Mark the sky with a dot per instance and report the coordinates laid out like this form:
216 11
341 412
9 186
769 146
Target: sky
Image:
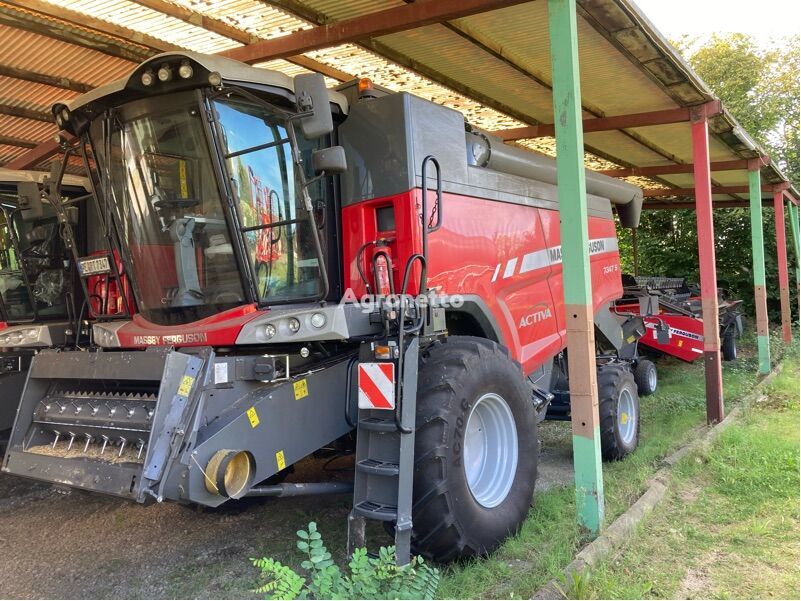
763 20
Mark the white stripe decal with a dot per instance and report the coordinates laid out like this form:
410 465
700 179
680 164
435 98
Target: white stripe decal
553 256
510 268
535 260
495 275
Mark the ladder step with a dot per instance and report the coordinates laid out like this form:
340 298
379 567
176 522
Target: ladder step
378 424
377 511
380 468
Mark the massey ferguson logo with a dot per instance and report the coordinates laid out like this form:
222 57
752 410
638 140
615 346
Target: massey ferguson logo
597 246
540 314
154 340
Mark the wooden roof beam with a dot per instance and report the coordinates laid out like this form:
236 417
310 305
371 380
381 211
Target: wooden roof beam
717 204
23 113
674 169
41 78
667 192
664 117
372 25
33 157
18 142
53 21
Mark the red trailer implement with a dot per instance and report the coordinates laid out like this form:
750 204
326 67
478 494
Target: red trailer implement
673 317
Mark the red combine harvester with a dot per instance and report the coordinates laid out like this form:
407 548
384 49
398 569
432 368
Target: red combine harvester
311 268
672 313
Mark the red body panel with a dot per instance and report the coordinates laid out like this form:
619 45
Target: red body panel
218 330
507 254
686 333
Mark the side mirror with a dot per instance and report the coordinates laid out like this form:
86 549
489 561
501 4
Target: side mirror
30 201
311 97
329 160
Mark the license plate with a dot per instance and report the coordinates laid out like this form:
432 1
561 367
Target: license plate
94 266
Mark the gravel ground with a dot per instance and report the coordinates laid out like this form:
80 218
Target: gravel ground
79 545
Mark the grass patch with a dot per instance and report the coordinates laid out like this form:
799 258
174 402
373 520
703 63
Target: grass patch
550 537
730 526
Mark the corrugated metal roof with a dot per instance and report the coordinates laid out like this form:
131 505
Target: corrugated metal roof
144 20
257 18
39 53
26 129
498 61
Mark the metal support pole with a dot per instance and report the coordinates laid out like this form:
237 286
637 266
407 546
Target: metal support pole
758 250
709 280
781 255
576 263
635 252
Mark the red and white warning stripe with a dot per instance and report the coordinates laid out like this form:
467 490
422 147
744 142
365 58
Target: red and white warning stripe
376 385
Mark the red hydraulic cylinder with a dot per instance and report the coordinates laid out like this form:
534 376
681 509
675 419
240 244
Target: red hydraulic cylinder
781 251
709 280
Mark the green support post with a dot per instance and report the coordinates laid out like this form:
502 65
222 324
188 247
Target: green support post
758 250
576 263
794 229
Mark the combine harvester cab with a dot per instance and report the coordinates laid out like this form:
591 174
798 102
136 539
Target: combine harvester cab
40 298
281 310
673 316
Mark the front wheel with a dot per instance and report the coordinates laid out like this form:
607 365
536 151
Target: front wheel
729 347
619 411
645 377
475 449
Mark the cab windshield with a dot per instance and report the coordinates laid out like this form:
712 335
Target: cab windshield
155 161
173 223
35 265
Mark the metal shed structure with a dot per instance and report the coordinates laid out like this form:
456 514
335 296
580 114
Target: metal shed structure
591 81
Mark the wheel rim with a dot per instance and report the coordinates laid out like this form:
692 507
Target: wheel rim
652 379
490 450
626 416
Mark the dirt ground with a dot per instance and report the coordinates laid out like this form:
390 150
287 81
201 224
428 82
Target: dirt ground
55 544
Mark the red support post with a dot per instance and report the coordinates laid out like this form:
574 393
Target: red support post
709 281
781 252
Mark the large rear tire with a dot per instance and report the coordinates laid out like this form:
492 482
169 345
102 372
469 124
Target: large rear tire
619 411
476 449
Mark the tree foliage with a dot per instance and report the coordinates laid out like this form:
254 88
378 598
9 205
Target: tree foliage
759 86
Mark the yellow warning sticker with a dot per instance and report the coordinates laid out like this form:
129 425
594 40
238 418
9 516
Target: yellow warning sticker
301 389
253 417
279 460
182 179
186 385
